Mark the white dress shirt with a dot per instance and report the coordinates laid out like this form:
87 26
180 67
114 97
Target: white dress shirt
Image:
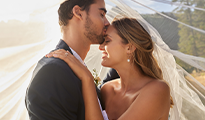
77 56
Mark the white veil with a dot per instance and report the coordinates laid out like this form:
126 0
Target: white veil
187 99
19 57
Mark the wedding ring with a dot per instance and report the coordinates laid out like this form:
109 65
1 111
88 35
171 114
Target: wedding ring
66 54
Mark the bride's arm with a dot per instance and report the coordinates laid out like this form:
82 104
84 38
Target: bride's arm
92 108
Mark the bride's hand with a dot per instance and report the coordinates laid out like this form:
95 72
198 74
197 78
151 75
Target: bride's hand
78 68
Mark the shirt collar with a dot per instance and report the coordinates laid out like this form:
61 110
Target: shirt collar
77 56
63 45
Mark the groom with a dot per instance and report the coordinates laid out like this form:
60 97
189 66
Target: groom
55 92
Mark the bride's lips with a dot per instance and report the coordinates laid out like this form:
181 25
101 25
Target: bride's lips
104 55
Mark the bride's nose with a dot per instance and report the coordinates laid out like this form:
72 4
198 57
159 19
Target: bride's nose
102 47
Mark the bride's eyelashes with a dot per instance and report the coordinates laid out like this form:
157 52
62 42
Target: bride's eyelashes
107 40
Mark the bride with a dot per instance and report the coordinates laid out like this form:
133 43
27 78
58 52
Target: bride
140 93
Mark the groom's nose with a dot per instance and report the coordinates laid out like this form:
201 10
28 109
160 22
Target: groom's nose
106 22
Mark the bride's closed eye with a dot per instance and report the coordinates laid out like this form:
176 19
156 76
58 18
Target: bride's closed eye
107 41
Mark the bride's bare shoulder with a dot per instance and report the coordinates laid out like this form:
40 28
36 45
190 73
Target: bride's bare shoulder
110 86
157 85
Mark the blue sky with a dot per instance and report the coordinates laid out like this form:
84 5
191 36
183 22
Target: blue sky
21 9
161 7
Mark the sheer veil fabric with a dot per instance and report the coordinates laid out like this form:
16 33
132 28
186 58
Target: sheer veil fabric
187 99
19 60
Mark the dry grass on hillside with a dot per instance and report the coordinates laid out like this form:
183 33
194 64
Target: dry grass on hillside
200 77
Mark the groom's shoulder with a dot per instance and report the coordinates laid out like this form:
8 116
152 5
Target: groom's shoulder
52 62
55 72
47 66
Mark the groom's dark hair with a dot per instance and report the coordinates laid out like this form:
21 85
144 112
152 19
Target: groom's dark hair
65 10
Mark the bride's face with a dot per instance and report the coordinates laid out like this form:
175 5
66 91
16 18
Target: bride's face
114 52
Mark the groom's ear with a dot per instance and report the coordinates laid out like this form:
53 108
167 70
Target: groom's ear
130 48
77 12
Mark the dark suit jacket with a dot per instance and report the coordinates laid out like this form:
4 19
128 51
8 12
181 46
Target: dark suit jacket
55 92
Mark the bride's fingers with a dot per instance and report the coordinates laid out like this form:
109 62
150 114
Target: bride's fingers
64 55
67 57
60 51
61 54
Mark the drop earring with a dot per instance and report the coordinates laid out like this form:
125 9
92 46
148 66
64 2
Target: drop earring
128 60
128 54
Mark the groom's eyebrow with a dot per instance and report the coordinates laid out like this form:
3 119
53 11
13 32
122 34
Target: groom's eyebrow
103 9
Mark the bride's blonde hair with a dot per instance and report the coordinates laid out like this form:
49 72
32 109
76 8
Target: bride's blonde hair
131 31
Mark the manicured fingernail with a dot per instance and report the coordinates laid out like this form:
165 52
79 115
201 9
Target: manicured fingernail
49 55
55 55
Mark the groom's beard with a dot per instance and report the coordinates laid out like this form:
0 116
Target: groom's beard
91 34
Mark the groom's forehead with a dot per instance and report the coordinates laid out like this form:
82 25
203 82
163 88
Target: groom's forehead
100 1
99 5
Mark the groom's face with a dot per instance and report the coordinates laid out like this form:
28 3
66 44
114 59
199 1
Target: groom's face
96 23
